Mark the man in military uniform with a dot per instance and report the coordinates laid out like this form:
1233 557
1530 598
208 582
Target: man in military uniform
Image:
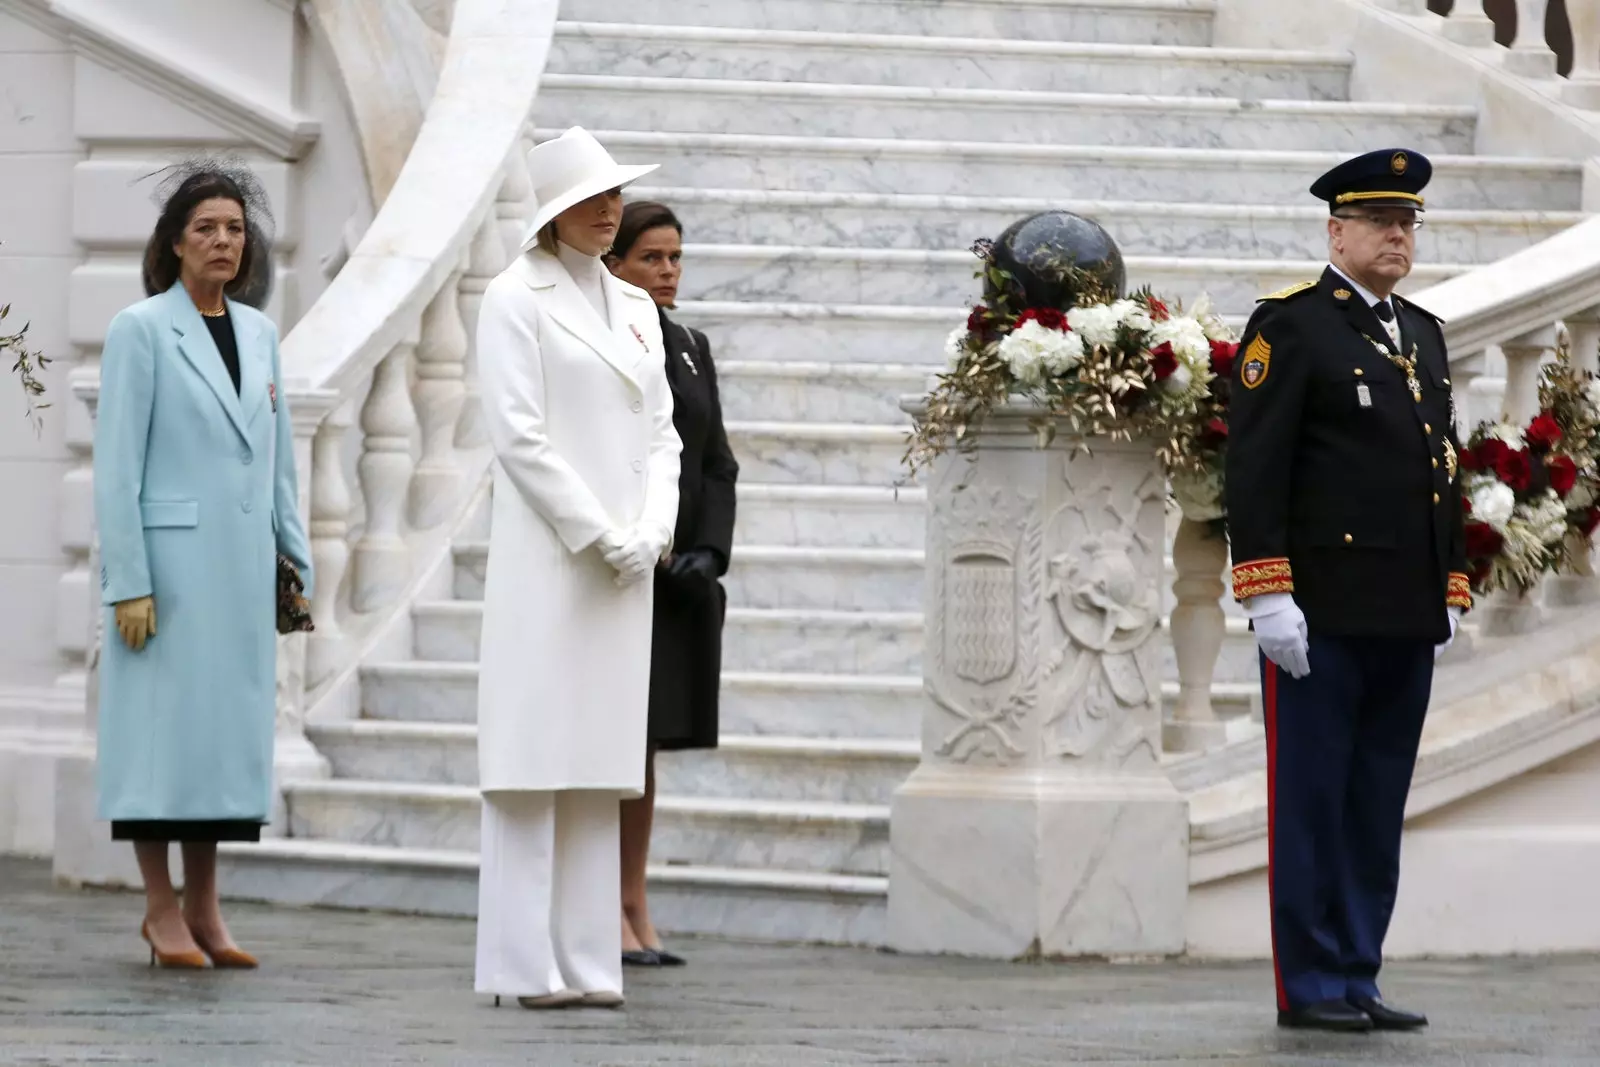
1345 519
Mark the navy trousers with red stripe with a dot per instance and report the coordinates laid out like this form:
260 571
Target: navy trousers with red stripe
1341 746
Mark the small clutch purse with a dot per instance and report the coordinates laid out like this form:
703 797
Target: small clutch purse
294 610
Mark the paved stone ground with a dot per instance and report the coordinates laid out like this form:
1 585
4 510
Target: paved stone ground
354 990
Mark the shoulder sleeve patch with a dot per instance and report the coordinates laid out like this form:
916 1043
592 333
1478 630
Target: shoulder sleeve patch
1293 290
1256 362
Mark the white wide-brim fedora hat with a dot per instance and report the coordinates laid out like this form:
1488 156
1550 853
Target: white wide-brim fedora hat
568 170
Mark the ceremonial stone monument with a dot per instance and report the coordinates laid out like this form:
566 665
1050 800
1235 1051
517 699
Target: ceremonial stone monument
1039 821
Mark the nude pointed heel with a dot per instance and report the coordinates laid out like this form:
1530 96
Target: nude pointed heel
182 961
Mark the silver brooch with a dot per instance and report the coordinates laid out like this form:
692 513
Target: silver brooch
689 362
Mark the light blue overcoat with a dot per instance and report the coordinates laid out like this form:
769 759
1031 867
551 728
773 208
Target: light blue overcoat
194 493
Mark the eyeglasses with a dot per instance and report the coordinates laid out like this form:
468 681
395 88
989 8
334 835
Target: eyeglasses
1384 222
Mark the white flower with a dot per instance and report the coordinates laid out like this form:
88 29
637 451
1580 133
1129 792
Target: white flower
1591 392
1492 502
1131 315
1188 340
1097 324
1033 351
1582 494
955 347
1545 517
1206 315
1199 496
1178 382
1504 431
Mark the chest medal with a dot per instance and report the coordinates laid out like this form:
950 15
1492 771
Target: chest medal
689 362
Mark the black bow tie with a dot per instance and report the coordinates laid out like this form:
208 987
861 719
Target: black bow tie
1383 311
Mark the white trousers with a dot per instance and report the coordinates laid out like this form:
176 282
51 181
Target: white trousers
550 893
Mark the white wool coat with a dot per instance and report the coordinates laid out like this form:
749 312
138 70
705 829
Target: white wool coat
580 415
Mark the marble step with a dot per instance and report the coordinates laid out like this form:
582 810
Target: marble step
831 579
1244 231
809 640
830 516
1164 22
920 277
750 904
820 453
762 390
902 59
835 333
813 836
753 639
1165 175
775 703
755 703
850 770
1012 116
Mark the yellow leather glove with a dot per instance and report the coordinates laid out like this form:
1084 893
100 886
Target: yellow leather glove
136 621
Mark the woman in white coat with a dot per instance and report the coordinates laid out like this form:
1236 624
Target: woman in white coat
585 497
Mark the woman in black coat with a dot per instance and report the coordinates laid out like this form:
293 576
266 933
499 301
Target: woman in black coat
686 653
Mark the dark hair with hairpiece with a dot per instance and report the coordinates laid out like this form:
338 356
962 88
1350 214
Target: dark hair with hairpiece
638 218
188 185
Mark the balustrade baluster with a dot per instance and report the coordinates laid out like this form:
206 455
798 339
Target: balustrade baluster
441 393
514 204
1530 56
1468 25
1198 628
330 549
1583 83
1509 612
486 257
382 562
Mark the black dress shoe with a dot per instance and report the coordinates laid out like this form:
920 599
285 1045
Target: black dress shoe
669 959
1335 1015
640 957
1386 1018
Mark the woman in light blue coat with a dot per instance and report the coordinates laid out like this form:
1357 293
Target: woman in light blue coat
195 500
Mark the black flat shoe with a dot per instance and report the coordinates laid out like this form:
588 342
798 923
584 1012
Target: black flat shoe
640 957
1386 1018
668 959
1334 1015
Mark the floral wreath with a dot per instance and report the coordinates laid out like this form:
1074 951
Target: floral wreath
1531 495
1132 368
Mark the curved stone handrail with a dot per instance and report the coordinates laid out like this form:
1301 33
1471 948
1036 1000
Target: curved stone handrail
492 66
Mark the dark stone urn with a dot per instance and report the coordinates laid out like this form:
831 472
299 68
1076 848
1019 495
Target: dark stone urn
1059 260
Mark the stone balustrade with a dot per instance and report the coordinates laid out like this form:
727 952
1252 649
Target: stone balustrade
1532 53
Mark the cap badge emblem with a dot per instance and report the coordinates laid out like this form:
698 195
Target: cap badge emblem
1399 163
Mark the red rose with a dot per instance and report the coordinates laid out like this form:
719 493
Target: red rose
1049 318
978 321
1222 354
1215 435
1482 541
1563 474
1466 506
1515 469
1163 361
1159 312
1543 432
1486 457
1590 520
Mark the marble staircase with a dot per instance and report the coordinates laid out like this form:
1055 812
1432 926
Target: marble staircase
832 160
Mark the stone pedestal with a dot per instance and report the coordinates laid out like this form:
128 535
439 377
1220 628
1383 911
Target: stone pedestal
1039 821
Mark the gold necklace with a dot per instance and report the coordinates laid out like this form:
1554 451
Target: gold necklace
217 314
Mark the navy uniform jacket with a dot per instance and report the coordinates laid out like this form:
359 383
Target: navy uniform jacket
1342 486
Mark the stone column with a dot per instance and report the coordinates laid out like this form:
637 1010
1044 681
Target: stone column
1583 83
1467 24
1039 820
1198 628
1530 55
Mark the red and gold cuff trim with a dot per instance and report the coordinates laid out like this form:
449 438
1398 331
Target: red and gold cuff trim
1458 594
1262 576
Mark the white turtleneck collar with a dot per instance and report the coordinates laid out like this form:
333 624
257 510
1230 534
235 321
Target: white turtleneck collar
588 272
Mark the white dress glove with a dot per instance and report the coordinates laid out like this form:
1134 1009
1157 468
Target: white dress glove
1281 631
1455 624
635 553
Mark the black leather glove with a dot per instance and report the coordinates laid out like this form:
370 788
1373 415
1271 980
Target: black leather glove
695 569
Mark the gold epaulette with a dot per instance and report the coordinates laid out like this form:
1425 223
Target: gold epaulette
1284 294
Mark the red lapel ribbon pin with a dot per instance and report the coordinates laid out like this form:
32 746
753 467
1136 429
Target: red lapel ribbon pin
639 337
272 396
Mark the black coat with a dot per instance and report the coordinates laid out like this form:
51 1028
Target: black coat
1342 486
686 654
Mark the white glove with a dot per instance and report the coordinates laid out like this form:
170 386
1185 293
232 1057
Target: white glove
1281 631
634 554
1455 624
